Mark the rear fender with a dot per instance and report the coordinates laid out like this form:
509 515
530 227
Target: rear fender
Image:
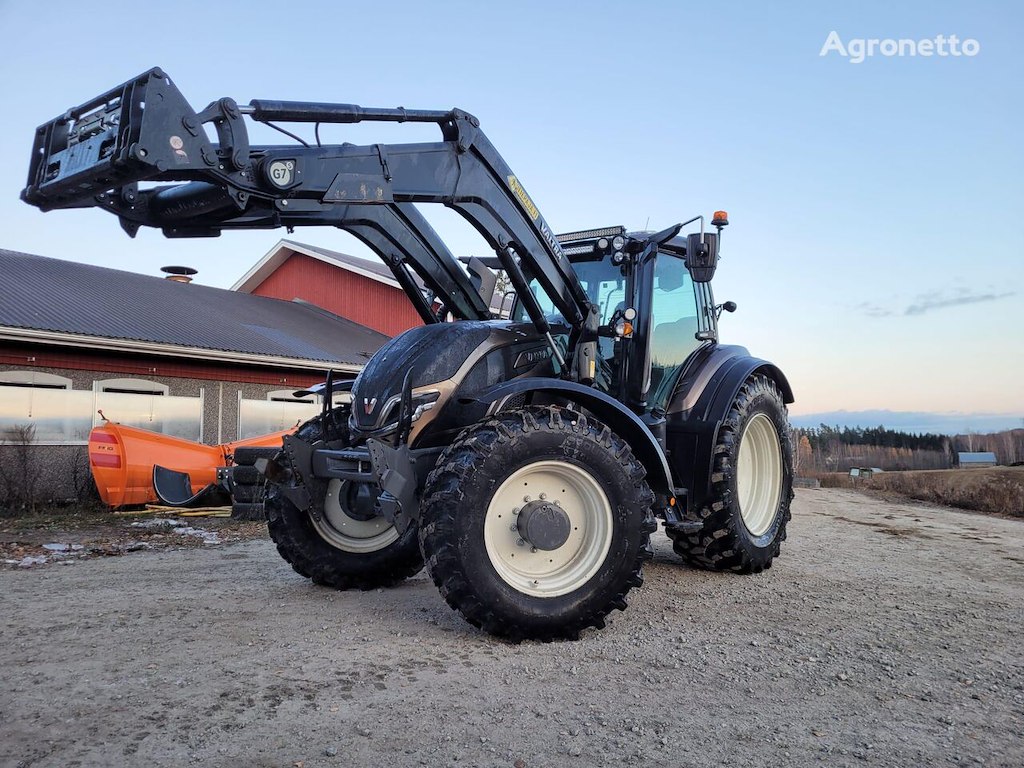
608 410
696 414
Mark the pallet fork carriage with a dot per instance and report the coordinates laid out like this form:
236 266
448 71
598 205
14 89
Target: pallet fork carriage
606 399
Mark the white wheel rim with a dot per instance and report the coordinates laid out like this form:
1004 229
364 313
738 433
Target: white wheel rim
559 571
759 474
342 531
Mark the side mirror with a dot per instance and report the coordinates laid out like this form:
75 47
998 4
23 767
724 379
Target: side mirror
729 306
702 256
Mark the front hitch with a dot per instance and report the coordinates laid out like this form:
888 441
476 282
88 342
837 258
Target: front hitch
395 470
299 479
398 471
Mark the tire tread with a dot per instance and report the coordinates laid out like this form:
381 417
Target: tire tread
713 547
300 545
444 498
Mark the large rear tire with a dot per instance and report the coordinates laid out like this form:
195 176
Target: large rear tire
349 547
536 523
748 510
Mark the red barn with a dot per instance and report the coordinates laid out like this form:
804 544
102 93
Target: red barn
186 360
357 289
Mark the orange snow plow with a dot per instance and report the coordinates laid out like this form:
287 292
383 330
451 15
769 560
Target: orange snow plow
136 466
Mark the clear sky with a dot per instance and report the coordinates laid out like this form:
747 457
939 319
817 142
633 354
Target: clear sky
875 249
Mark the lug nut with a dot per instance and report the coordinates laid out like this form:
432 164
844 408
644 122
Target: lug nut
513 527
533 549
526 499
543 496
519 542
515 511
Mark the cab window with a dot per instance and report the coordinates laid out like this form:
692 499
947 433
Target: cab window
673 325
603 282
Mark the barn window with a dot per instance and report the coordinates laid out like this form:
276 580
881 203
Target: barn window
147 405
34 379
280 410
131 387
42 408
288 396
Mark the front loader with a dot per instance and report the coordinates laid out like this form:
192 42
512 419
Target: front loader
525 461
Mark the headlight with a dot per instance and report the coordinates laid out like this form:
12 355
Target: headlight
424 402
390 412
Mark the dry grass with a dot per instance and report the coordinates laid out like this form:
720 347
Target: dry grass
998 490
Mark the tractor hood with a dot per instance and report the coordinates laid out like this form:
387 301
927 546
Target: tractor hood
434 354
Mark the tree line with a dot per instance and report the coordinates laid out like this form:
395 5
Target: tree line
839 449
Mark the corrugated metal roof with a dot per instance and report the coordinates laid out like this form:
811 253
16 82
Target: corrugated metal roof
47 294
971 457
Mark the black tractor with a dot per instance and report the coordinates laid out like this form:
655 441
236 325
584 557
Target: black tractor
525 452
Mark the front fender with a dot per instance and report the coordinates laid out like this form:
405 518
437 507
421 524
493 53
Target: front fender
607 409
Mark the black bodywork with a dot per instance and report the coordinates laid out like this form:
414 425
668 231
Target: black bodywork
422 388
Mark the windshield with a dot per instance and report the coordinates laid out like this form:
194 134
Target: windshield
604 283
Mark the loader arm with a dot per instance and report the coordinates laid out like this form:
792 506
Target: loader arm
404 240
144 131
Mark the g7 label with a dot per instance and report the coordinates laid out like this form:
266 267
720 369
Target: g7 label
281 173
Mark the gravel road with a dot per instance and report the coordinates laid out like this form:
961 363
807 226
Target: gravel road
886 635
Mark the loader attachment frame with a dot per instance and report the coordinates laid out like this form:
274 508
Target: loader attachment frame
144 131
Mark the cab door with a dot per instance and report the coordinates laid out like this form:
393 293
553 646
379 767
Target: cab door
676 320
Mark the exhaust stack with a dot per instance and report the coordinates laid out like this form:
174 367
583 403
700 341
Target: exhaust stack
179 274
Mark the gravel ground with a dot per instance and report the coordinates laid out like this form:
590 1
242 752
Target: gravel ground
887 634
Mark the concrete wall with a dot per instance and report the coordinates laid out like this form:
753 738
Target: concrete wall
52 473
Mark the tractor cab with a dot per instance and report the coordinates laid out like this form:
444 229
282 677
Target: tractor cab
653 314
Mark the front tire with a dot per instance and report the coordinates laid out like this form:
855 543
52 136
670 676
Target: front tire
536 523
348 548
748 509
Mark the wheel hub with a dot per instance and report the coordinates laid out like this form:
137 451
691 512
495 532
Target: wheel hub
349 523
759 474
565 536
544 525
359 501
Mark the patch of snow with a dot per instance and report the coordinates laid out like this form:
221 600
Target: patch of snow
30 560
63 547
158 522
180 527
208 537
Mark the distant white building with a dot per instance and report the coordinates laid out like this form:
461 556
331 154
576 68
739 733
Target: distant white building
967 460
